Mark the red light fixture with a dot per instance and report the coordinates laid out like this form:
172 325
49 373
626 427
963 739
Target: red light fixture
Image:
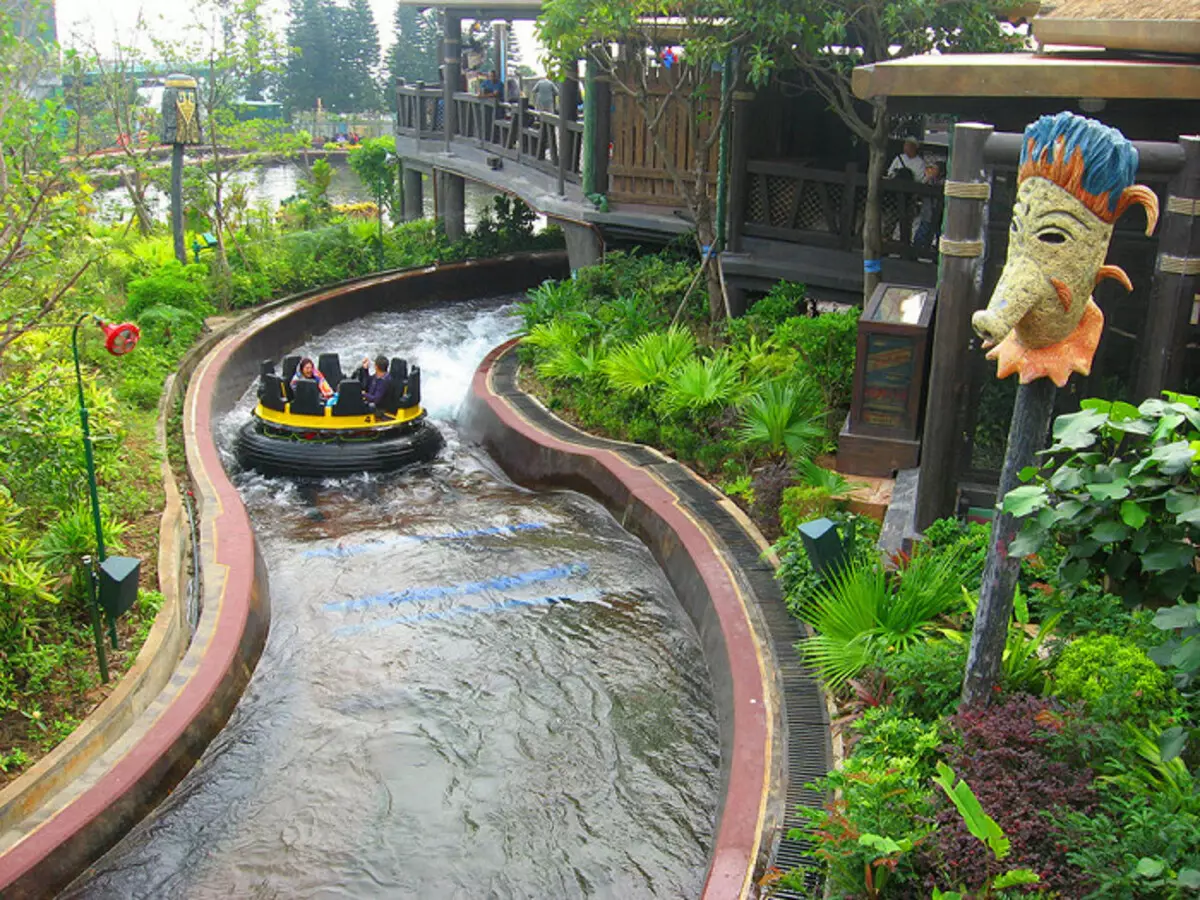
120 339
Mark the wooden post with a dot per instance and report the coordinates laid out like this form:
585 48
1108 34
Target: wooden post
739 157
1175 279
957 297
519 124
418 108
596 106
568 103
414 207
451 69
1026 436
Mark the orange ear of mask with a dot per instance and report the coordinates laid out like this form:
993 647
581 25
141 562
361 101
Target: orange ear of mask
1116 273
1139 193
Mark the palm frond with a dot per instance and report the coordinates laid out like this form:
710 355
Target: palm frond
702 385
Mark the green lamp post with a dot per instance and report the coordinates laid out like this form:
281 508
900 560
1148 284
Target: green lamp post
113 581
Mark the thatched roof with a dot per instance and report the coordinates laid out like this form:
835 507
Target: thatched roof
1123 10
1151 26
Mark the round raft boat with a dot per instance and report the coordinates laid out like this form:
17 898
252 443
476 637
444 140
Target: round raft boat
295 432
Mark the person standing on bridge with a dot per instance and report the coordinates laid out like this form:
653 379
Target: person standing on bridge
544 93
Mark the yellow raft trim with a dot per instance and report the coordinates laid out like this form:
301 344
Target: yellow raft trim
330 422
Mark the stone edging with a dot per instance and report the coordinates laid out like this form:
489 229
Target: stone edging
773 719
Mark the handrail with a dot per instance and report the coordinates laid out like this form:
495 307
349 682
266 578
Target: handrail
513 130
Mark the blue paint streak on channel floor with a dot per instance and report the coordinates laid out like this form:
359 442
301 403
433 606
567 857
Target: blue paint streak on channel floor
500 583
356 549
457 611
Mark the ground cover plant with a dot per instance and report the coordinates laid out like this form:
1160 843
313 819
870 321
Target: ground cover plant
1084 761
623 350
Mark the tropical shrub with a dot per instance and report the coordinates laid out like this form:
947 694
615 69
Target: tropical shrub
701 386
1118 488
649 361
879 809
785 416
1136 844
181 287
1104 665
927 677
826 345
863 613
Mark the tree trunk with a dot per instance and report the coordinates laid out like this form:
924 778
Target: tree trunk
706 233
872 230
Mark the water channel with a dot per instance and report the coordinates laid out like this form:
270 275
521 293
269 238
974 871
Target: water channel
468 689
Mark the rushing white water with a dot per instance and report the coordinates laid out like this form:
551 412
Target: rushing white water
468 690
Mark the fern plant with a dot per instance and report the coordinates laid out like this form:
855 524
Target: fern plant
785 417
702 385
861 613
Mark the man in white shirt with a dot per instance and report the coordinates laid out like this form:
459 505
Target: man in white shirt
909 159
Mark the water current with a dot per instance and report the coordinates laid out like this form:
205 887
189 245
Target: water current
468 689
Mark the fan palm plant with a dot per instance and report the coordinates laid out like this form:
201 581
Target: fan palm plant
862 613
568 364
785 417
702 385
555 335
648 361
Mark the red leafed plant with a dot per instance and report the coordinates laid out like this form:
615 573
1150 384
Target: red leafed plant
1004 752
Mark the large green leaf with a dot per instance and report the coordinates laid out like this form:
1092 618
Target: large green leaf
1029 540
1173 458
1109 532
979 823
1168 556
1014 877
1023 500
1112 491
1077 430
1133 513
1182 616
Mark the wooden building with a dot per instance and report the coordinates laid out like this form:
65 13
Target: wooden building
796 181
1133 65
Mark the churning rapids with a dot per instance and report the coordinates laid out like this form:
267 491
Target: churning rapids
468 690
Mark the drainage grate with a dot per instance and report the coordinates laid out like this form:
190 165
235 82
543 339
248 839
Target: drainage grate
805 718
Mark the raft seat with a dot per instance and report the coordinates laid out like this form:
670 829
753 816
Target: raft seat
398 369
307 398
286 371
271 392
411 389
331 367
350 401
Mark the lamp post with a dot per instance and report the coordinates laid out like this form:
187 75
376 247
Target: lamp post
118 340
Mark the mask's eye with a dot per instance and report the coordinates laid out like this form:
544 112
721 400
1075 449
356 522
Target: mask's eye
1052 237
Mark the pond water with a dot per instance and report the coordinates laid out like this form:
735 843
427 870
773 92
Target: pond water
468 690
272 184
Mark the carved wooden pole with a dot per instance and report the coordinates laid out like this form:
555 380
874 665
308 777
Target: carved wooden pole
180 127
1075 179
958 297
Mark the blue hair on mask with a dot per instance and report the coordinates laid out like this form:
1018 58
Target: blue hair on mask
1110 161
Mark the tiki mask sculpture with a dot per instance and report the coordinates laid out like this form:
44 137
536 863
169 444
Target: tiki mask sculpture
1075 180
180 111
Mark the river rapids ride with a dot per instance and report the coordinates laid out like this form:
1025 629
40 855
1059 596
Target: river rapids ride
295 432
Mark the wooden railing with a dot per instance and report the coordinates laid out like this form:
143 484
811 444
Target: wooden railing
511 130
824 208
